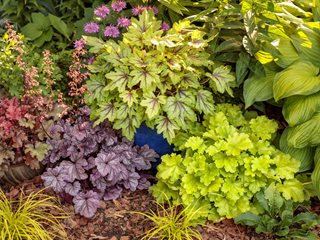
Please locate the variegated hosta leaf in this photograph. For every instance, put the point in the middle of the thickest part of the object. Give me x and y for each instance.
(315, 176)
(205, 102)
(298, 109)
(307, 42)
(305, 134)
(288, 52)
(167, 127)
(298, 79)
(304, 155)
(153, 105)
(257, 88)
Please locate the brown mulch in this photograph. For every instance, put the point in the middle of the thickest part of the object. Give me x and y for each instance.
(115, 219)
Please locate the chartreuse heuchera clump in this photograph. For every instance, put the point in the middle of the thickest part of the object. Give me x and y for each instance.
(223, 166)
(165, 79)
(87, 164)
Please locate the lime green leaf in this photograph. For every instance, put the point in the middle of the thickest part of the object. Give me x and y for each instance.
(288, 53)
(305, 134)
(59, 25)
(130, 97)
(291, 189)
(221, 79)
(298, 79)
(106, 111)
(128, 125)
(166, 126)
(119, 78)
(304, 155)
(96, 44)
(257, 88)
(153, 105)
(194, 143)
(205, 102)
(299, 109)
(147, 78)
(263, 57)
(39, 150)
(171, 168)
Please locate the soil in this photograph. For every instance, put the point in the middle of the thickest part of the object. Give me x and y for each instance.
(115, 219)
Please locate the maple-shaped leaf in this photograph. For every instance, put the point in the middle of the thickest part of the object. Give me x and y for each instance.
(221, 79)
(5, 154)
(73, 188)
(119, 78)
(86, 204)
(129, 124)
(205, 102)
(140, 58)
(132, 181)
(54, 178)
(27, 123)
(147, 78)
(118, 53)
(107, 110)
(167, 126)
(95, 88)
(74, 170)
(197, 58)
(153, 105)
(38, 150)
(130, 97)
(112, 193)
(190, 80)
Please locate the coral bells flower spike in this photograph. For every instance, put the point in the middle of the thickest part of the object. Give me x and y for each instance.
(91, 27)
(124, 22)
(111, 31)
(102, 11)
(165, 26)
(118, 5)
(80, 44)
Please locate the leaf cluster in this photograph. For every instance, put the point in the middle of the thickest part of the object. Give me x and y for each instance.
(89, 163)
(164, 79)
(225, 164)
(279, 218)
(35, 216)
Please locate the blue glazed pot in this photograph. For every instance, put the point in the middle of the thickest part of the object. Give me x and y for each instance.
(145, 135)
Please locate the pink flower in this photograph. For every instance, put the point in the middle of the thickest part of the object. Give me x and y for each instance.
(165, 26)
(124, 22)
(102, 11)
(154, 9)
(118, 5)
(80, 44)
(111, 31)
(91, 27)
(91, 60)
(137, 10)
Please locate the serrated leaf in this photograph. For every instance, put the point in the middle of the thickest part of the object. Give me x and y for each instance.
(256, 89)
(39, 150)
(292, 189)
(300, 78)
(119, 78)
(147, 78)
(130, 97)
(96, 44)
(107, 111)
(153, 105)
(167, 127)
(86, 204)
(305, 134)
(299, 109)
(205, 102)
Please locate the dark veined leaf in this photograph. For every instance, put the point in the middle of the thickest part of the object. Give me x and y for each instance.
(106, 111)
(305, 134)
(167, 127)
(248, 218)
(153, 105)
(304, 155)
(205, 102)
(257, 88)
(86, 204)
(298, 109)
(119, 79)
(147, 78)
(128, 125)
(301, 78)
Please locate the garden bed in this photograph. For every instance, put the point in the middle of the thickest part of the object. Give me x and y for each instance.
(115, 220)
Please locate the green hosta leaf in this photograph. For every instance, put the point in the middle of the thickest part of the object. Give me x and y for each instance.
(304, 155)
(298, 109)
(153, 105)
(119, 79)
(59, 25)
(248, 218)
(298, 79)
(305, 134)
(31, 31)
(315, 176)
(288, 53)
(204, 102)
(167, 127)
(257, 88)
(242, 67)
(221, 79)
(39, 150)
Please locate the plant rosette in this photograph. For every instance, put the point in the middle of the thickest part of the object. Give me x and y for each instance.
(164, 79)
(223, 166)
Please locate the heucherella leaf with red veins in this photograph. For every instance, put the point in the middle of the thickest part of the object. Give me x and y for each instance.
(87, 203)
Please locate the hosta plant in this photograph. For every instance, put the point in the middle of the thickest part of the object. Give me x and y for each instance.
(36, 216)
(165, 79)
(223, 166)
(291, 66)
(279, 217)
(87, 164)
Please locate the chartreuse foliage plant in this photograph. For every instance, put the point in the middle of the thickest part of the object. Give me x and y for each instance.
(279, 218)
(223, 166)
(163, 78)
(35, 216)
(172, 222)
(288, 48)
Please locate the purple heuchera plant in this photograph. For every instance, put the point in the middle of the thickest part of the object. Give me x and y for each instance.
(90, 163)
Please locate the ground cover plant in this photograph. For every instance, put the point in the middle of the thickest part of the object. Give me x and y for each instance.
(89, 163)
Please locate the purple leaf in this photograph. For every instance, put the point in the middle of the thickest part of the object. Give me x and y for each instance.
(143, 184)
(54, 178)
(73, 189)
(112, 193)
(90, 163)
(132, 181)
(74, 170)
(86, 204)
